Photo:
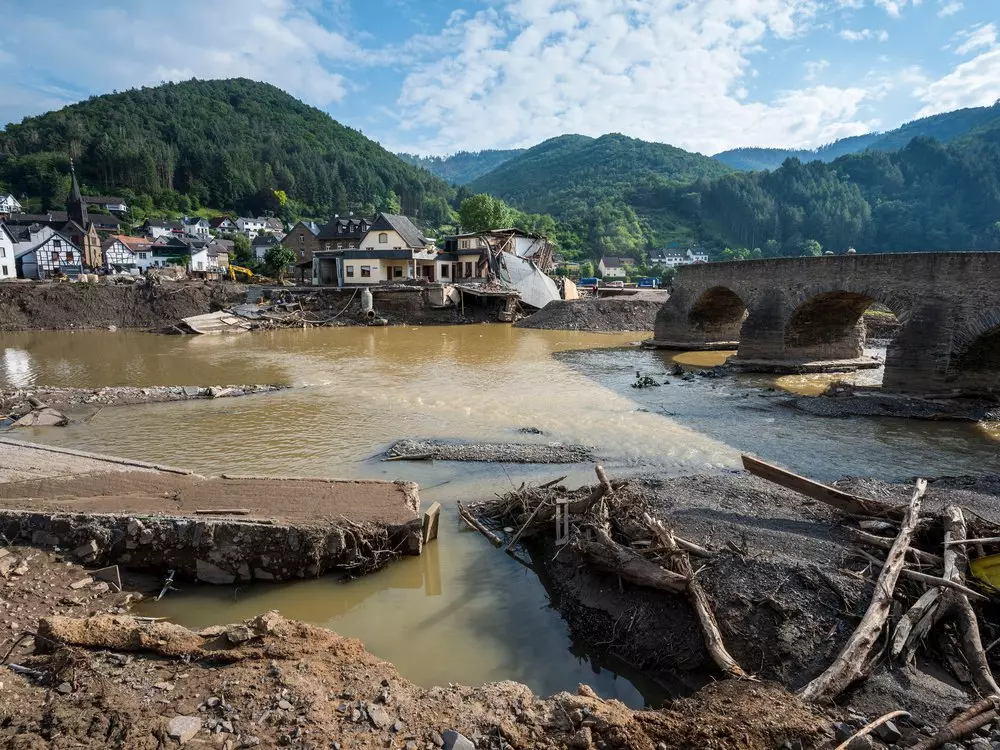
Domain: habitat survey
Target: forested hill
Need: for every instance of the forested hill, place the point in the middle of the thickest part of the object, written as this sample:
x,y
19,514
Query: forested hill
x,y
926,196
945,127
465,166
228,144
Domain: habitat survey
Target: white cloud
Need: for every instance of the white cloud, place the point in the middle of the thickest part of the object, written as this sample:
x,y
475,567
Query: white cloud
x,y
976,37
974,83
665,71
895,8
148,41
950,8
814,68
863,35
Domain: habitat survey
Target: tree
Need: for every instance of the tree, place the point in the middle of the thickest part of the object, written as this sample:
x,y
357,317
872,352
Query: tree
x,y
586,270
277,259
812,248
482,212
243,250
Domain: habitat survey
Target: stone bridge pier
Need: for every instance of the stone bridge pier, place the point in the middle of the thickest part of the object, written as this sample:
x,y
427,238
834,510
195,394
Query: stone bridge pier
x,y
806,315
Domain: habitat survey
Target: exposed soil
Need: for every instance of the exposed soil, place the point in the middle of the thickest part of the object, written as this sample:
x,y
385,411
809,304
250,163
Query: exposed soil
x,y
110,681
32,306
603,315
508,453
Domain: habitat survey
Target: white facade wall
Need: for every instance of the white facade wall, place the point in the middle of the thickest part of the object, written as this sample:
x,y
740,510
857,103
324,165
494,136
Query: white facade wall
x,y
383,240
7,268
119,254
354,270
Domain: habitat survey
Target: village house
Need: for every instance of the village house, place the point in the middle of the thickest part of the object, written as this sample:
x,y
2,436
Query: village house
x,y
197,226
674,258
273,225
43,253
250,226
9,205
121,252
390,249
303,240
614,267
261,244
222,225
107,203
220,252
157,228
7,268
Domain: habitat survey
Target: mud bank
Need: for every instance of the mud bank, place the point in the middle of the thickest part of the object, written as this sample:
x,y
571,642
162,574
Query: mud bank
x,y
605,315
36,306
783,580
509,453
109,680
850,402
20,401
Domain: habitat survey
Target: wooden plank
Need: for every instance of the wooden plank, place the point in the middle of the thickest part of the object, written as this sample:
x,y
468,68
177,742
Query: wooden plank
x,y
839,499
431,520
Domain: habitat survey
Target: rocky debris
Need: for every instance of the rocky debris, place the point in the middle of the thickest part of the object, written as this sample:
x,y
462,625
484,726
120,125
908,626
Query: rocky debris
x,y
509,453
184,728
32,407
844,400
603,315
456,741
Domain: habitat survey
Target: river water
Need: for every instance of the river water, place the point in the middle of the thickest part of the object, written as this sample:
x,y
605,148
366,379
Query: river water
x,y
461,612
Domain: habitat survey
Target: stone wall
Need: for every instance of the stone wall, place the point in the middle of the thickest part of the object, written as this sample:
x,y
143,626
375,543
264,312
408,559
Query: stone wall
x,y
215,550
802,309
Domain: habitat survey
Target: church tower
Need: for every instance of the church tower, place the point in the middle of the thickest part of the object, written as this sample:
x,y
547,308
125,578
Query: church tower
x,y
76,207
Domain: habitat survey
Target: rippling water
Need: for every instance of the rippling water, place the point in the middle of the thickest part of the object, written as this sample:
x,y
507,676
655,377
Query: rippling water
x,y
461,612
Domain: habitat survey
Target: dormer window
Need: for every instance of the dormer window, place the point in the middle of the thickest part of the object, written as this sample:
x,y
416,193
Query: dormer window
x,y
383,238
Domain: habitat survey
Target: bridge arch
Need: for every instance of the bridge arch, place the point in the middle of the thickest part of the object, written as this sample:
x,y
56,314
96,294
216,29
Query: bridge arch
x,y
975,360
718,314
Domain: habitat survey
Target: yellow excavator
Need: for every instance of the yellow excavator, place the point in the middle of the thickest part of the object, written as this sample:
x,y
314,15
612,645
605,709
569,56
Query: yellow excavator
x,y
234,269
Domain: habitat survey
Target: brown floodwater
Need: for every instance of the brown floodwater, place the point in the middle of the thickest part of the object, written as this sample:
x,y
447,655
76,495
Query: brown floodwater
x,y
462,612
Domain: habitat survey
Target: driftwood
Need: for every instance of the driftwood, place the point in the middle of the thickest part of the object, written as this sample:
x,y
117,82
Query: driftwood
x,y
958,601
884,542
470,519
870,727
976,716
914,626
851,663
842,501
916,575
605,553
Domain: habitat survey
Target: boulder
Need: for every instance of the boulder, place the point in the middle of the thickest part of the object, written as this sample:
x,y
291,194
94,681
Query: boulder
x,y
455,741
183,728
45,417
205,571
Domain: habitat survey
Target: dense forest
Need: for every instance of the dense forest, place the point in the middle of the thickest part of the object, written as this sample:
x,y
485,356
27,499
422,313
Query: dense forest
x,y
584,183
231,144
944,127
465,166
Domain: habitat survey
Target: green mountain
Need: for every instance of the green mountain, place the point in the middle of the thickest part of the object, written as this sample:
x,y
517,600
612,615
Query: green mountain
x,y
229,144
463,167
944,127
926,196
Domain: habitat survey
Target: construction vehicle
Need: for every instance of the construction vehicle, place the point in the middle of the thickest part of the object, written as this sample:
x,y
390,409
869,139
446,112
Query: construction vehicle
x,y
234,269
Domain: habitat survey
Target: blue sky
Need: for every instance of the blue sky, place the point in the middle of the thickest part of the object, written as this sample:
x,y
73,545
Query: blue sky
x,y
438,76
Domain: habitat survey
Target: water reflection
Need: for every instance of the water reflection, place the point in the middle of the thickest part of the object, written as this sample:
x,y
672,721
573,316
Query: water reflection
x,y
17,368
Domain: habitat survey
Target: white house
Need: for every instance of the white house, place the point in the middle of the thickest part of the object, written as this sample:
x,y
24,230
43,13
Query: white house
x,y
222,225
674,258
108,202
203,260
9,205
614,268
157,228
250,226
53,255
7,268
121,251
262,244
197,226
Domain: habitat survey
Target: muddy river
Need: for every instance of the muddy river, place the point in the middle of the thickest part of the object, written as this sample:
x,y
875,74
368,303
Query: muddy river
x,y
462,612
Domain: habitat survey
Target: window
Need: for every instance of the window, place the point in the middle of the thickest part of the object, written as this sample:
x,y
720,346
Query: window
x,y
340,245
397,272
464,244
349,270
366,272
69,257
4,269
383,237
468,269
302,239
329,246
142,256
3,252
57,243
444,271
55,256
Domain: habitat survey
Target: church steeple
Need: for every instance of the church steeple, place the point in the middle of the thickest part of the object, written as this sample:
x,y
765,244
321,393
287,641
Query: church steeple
x,y
76,207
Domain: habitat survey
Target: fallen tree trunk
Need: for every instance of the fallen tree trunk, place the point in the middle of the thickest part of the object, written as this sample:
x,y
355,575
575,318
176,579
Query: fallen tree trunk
x,y
976,716
956,563
851,663
884,542
607,555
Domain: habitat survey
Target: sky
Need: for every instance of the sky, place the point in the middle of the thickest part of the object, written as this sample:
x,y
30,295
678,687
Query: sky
x,y
440,76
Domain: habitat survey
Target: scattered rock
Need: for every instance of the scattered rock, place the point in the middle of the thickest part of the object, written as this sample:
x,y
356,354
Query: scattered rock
x,y
582,739
861,743
398,726
842,731
76,585
165,686
889,733
379,716
237,634
205,571
45,417
284,705
183,728
437,739
87,552
65,688
455,741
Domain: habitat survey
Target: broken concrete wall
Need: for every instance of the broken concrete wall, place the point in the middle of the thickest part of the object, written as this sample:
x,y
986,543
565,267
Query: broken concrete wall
x,y
216,550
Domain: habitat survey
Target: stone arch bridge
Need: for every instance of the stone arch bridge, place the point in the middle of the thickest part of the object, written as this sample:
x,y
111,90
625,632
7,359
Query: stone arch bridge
x,y
806,314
